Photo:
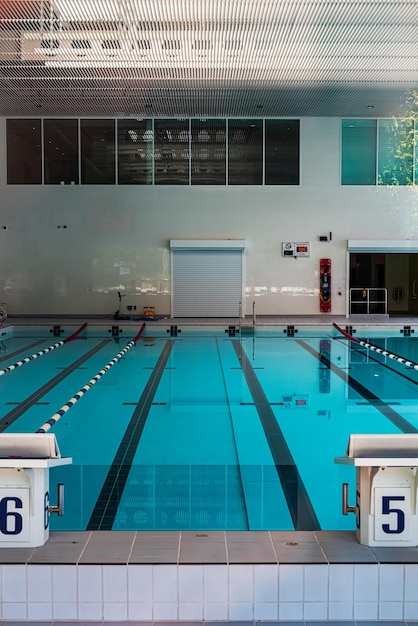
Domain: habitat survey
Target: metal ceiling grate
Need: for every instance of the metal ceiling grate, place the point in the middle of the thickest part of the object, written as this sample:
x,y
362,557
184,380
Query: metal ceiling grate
x,y
208,57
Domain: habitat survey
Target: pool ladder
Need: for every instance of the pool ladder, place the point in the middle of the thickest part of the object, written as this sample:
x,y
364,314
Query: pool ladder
x,y
246,329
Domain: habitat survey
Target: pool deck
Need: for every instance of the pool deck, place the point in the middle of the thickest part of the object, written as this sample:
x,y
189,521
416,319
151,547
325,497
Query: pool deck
x,y
210,577
260,320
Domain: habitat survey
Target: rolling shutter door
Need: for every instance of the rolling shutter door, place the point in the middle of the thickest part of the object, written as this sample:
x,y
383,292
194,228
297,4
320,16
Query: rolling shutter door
x,y
206,282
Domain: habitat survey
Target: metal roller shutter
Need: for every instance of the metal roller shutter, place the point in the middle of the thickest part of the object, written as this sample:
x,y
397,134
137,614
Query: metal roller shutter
x,y
206,283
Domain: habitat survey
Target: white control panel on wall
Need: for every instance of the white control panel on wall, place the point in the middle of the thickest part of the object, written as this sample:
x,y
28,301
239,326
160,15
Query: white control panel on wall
x,y
291,248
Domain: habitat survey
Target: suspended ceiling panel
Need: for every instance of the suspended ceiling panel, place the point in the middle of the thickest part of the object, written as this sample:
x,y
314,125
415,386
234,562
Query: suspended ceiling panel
x,y
154,58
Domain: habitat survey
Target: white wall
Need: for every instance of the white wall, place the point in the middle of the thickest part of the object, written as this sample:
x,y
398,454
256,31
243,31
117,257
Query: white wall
x,y
117,238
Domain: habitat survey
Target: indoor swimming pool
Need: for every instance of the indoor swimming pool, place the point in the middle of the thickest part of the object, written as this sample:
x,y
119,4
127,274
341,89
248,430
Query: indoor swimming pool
x,y
206,428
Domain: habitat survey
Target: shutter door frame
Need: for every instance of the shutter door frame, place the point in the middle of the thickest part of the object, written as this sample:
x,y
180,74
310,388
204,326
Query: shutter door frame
x,y
207,277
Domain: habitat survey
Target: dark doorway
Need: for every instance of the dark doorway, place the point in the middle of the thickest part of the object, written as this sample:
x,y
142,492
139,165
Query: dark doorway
x,y
367,270
383,283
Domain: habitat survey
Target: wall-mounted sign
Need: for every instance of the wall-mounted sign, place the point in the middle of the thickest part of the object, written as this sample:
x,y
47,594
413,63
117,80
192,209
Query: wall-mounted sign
x,y
291,248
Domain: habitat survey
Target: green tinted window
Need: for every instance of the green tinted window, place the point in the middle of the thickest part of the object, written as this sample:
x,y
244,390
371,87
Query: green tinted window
x,y
396,152
358,165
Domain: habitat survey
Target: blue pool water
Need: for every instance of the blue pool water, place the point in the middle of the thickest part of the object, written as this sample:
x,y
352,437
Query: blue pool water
x,y
204,430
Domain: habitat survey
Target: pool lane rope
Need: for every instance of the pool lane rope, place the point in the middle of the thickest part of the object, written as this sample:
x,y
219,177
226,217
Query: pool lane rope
x,y
382,351
10,368
63,410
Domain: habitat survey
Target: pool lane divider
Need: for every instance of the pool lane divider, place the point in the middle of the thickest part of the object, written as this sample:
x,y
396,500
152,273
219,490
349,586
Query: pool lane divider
x,y
106,507
297,498
10,368
33,399
382,351
373,400
57,416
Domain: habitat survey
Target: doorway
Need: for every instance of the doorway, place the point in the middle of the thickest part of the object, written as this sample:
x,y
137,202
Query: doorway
x,y
384,280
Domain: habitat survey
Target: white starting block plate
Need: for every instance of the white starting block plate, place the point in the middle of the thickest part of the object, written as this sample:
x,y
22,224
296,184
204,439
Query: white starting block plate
x,y
400,450
30,450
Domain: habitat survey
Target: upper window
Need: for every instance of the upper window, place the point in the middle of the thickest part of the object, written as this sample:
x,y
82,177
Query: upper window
x,y
171,152
245,152
214,151
396,152
135,157
282,152
97,152
61,152
208,152
24,152
359,152
377,152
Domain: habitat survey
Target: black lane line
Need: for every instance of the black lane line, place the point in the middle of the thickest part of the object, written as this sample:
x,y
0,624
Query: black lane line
x,y
300,506
386,365
379,404
104,512
13,415
10,355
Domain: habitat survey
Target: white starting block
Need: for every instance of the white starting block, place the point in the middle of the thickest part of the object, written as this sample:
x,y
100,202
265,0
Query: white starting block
x,y
386,488
25,460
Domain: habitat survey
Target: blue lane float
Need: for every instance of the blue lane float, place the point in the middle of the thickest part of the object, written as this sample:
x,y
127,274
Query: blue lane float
x,y
378,350
63,410
10,368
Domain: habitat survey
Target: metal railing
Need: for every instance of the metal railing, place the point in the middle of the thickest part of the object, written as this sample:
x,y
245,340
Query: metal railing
x,y
368,301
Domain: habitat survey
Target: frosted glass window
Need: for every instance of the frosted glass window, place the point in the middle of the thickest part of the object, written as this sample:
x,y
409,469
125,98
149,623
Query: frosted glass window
x,y
396,152
358,165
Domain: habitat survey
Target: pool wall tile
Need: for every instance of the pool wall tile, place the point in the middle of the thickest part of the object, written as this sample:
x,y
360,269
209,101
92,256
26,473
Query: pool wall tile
x,y
290,583
189,611
115,611
215,611
115,583
411,583
340,611
290,611
140,584
315,611
39,611
13,580
365,610
39,579
366,583
241,611
64,583
165,579
215,584
90,583
411,610
266,583
64,610
193,593
166,611
140,611
90,611
14,611
391,583
390,610
316,584
341,583
266,611
241,583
